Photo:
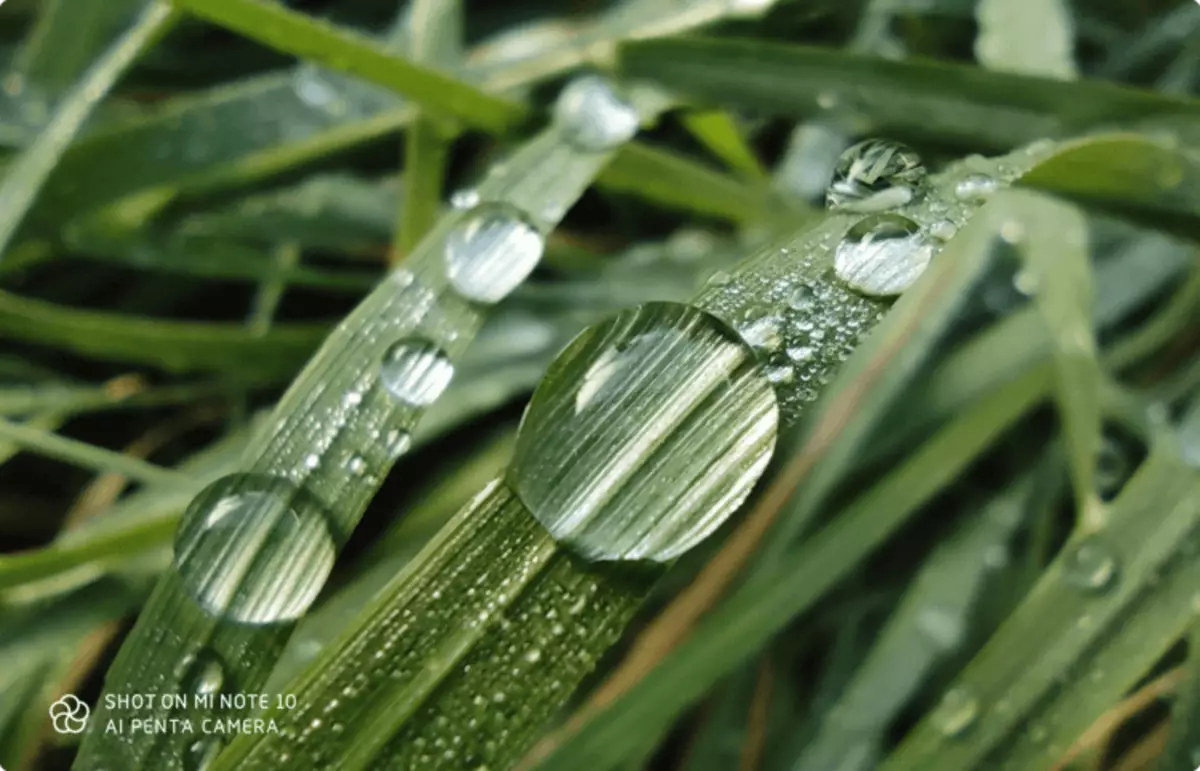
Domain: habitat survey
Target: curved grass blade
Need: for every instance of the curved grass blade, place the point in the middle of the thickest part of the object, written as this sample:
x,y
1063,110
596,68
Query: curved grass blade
x,y
1106,610
66,39
291,32
920,100
335,434
172,345
25,176
717,131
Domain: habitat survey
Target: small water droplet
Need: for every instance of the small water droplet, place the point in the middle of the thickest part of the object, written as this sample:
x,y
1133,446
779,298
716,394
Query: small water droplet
x,y
415,371
720,278
1025,281
1091,565
763,333
883,254
490,252
533,655
801,353
674,401
312,88
201,754
873,176
253,548
467,198
356,465
956,712
943,230
803,298
781,374
201,673
593,116
975,187
396,442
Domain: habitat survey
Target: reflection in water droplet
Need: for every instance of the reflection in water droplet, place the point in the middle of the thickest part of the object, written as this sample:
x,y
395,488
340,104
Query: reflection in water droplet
x,y
201,754
975,187
593,116
415,371
1091,565
254,549
874,176
490,252
882,255
649,430
396,443
956,712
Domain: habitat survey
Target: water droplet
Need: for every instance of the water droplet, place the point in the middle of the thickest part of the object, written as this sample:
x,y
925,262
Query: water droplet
x,y
720,278
975,187
673,401
593,116
781,374
396,442
875,175
1026,282
467,198
763,333
1091,565
883,254
803,298
533,655
201,673
490,252
253,548
356,465
801,353
415,371
201,754
943,230
956,712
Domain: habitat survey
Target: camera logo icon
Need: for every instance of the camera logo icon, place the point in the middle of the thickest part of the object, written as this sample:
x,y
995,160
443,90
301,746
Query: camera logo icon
x,y
69,714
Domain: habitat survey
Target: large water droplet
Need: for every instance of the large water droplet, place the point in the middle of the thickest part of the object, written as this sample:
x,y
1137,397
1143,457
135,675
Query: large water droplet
x,y
593,116
956,712
975,187
415,371
874,176
883,254
648,430
763,333
490,252
254,549
1091,565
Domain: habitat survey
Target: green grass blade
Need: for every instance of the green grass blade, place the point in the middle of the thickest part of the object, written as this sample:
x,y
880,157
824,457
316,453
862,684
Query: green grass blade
x,y
717,131
294,33
87,455
1033,37
914,99
25,176
66,39
338,430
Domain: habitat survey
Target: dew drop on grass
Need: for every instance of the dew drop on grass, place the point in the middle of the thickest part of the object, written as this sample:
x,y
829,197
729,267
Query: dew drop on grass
x,y
396,442
873,176
647,432
415,371
943,230
975,187
254,549
490,252
956,712
467,198
201,673
763,333
883,254
803,298
1091,565
593,116
312,88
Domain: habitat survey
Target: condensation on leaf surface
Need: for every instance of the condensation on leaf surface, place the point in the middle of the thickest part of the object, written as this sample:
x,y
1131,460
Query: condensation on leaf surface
x,y
254,549
875,175
593,116
647,432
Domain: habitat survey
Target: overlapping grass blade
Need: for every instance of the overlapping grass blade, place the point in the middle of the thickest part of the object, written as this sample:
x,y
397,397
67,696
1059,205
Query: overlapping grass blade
x,y
67,38
917,100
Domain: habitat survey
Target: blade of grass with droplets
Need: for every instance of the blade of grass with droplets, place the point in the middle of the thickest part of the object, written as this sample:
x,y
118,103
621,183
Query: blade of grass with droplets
x,y
25,176
436,39
914,99
343,423
294,33
1097,620
885,363
171,345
